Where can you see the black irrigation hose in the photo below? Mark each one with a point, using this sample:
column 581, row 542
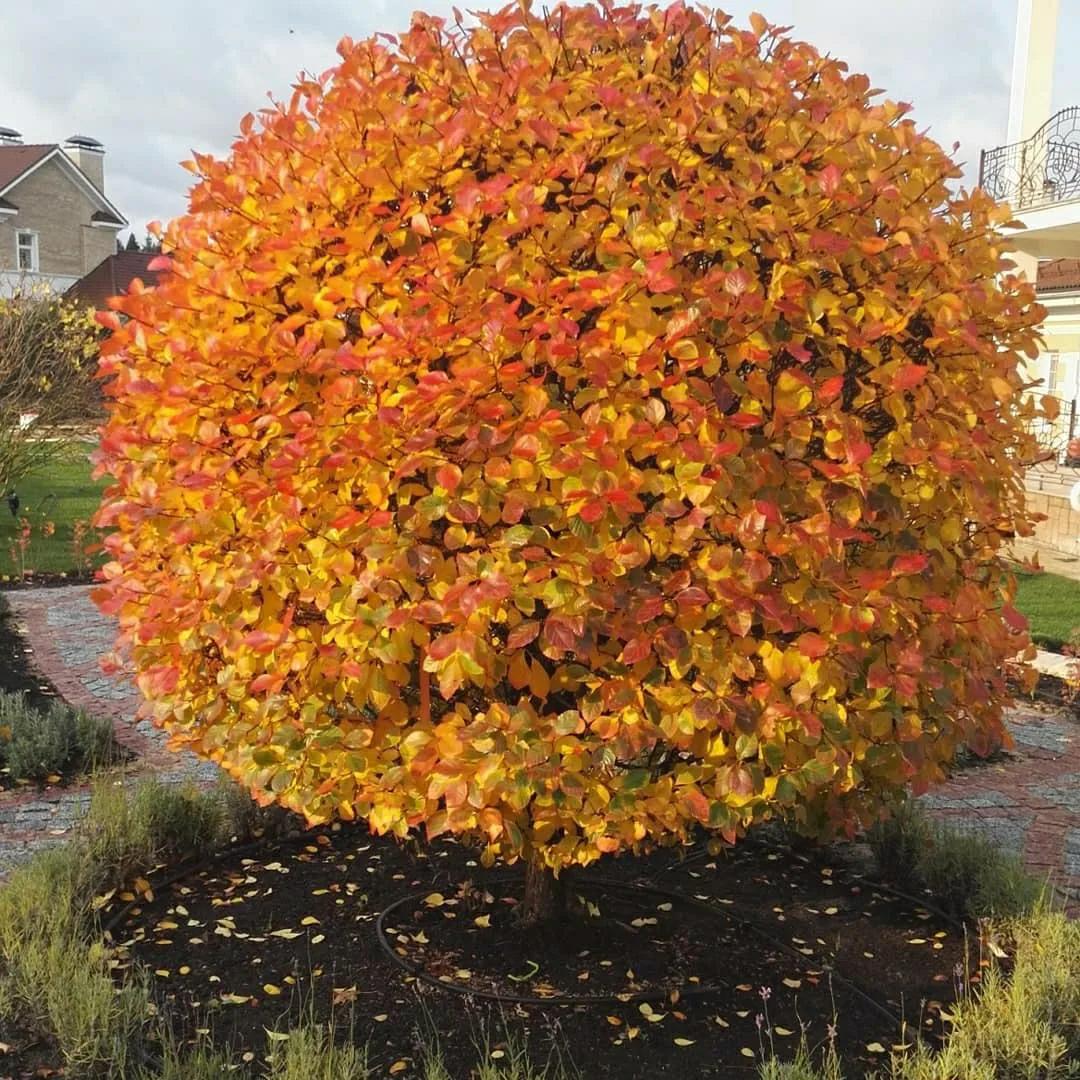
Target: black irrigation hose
column 419, row 972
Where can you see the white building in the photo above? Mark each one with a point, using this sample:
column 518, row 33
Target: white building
column 1038, row 174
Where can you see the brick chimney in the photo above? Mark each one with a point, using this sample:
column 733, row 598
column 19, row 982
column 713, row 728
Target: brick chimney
column 89, row 155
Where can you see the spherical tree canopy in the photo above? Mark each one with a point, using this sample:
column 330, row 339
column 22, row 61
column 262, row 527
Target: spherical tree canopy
column 570, row 430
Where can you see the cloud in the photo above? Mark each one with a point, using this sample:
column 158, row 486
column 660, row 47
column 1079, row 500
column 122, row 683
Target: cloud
column 155, row 81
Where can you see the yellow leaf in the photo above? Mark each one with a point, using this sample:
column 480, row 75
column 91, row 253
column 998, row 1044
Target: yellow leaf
column 271, row 989
column 683, row 1042
column 875, row 1048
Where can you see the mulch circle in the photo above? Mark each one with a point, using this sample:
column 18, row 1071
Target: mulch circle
column 241, row 947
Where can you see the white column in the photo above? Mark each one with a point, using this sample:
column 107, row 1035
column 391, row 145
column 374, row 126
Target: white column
column 1033, row 67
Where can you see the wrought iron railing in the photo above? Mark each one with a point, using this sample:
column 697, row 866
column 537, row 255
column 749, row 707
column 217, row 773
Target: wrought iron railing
column 1039, row 171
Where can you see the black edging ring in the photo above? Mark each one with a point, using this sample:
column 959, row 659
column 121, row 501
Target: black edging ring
column 419, row 972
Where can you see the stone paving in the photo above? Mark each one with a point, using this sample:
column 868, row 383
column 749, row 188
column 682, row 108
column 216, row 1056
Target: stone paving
column 1028, row 801
column 66, row 637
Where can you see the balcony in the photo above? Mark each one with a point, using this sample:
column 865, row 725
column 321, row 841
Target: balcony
column 1040, row 179
column 1039, row 172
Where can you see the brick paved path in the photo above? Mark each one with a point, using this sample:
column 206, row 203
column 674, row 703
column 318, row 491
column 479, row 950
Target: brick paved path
column 66, row 637
column 1028, row 802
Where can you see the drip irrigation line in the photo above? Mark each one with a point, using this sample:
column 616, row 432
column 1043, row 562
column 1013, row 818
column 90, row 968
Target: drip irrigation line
column 688, row 991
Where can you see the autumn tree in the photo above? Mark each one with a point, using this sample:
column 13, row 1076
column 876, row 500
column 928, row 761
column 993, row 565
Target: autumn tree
column 565, row 432
column 48, row 356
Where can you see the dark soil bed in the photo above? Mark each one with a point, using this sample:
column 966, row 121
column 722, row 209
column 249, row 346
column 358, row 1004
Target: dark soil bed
column 243, row 947
column 17, row 673
column 46, row 579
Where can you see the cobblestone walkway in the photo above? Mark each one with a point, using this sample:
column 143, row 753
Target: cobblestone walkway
column 1028, row 801
column 66, row 637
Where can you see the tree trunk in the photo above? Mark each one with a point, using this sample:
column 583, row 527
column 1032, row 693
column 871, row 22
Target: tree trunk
column 545, row 898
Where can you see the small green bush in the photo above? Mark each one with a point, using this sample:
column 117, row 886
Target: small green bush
column 967, row 875
column 246, row 820
column 38, row 743
column 898, row 842
column 54, row 974
column 1021, row 1026
column 185, row 1063
column 310, row 1053
column 802, row 1067
column 180, row 820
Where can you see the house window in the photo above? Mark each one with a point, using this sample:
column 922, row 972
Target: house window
column 26, row 244
column 1053, row 371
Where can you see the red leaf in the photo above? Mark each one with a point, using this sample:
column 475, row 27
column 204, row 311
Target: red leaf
column 745, row 420
column 830, row 178
column 561, row 632
column 909, row 376
column 443, row 646
column 830, row 388
column 813, row 646
column 697, row 804
column 692, row 597
column 1013, row 619
column 915, row 563
column 522, row 634
column 636, row 650
column 448, row 477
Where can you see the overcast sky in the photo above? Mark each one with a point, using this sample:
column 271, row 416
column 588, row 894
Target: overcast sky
column 154, row 81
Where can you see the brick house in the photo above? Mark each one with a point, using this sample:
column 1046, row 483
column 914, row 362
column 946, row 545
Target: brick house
column 111, row 277
column 56, row 223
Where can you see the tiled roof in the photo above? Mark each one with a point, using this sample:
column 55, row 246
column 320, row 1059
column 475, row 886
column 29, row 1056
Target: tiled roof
column 112, row 276
column 15, row 160
column 1058, row 275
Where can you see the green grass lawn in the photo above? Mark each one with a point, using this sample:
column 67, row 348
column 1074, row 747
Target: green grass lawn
column 1052, row 606
column 61, row 493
